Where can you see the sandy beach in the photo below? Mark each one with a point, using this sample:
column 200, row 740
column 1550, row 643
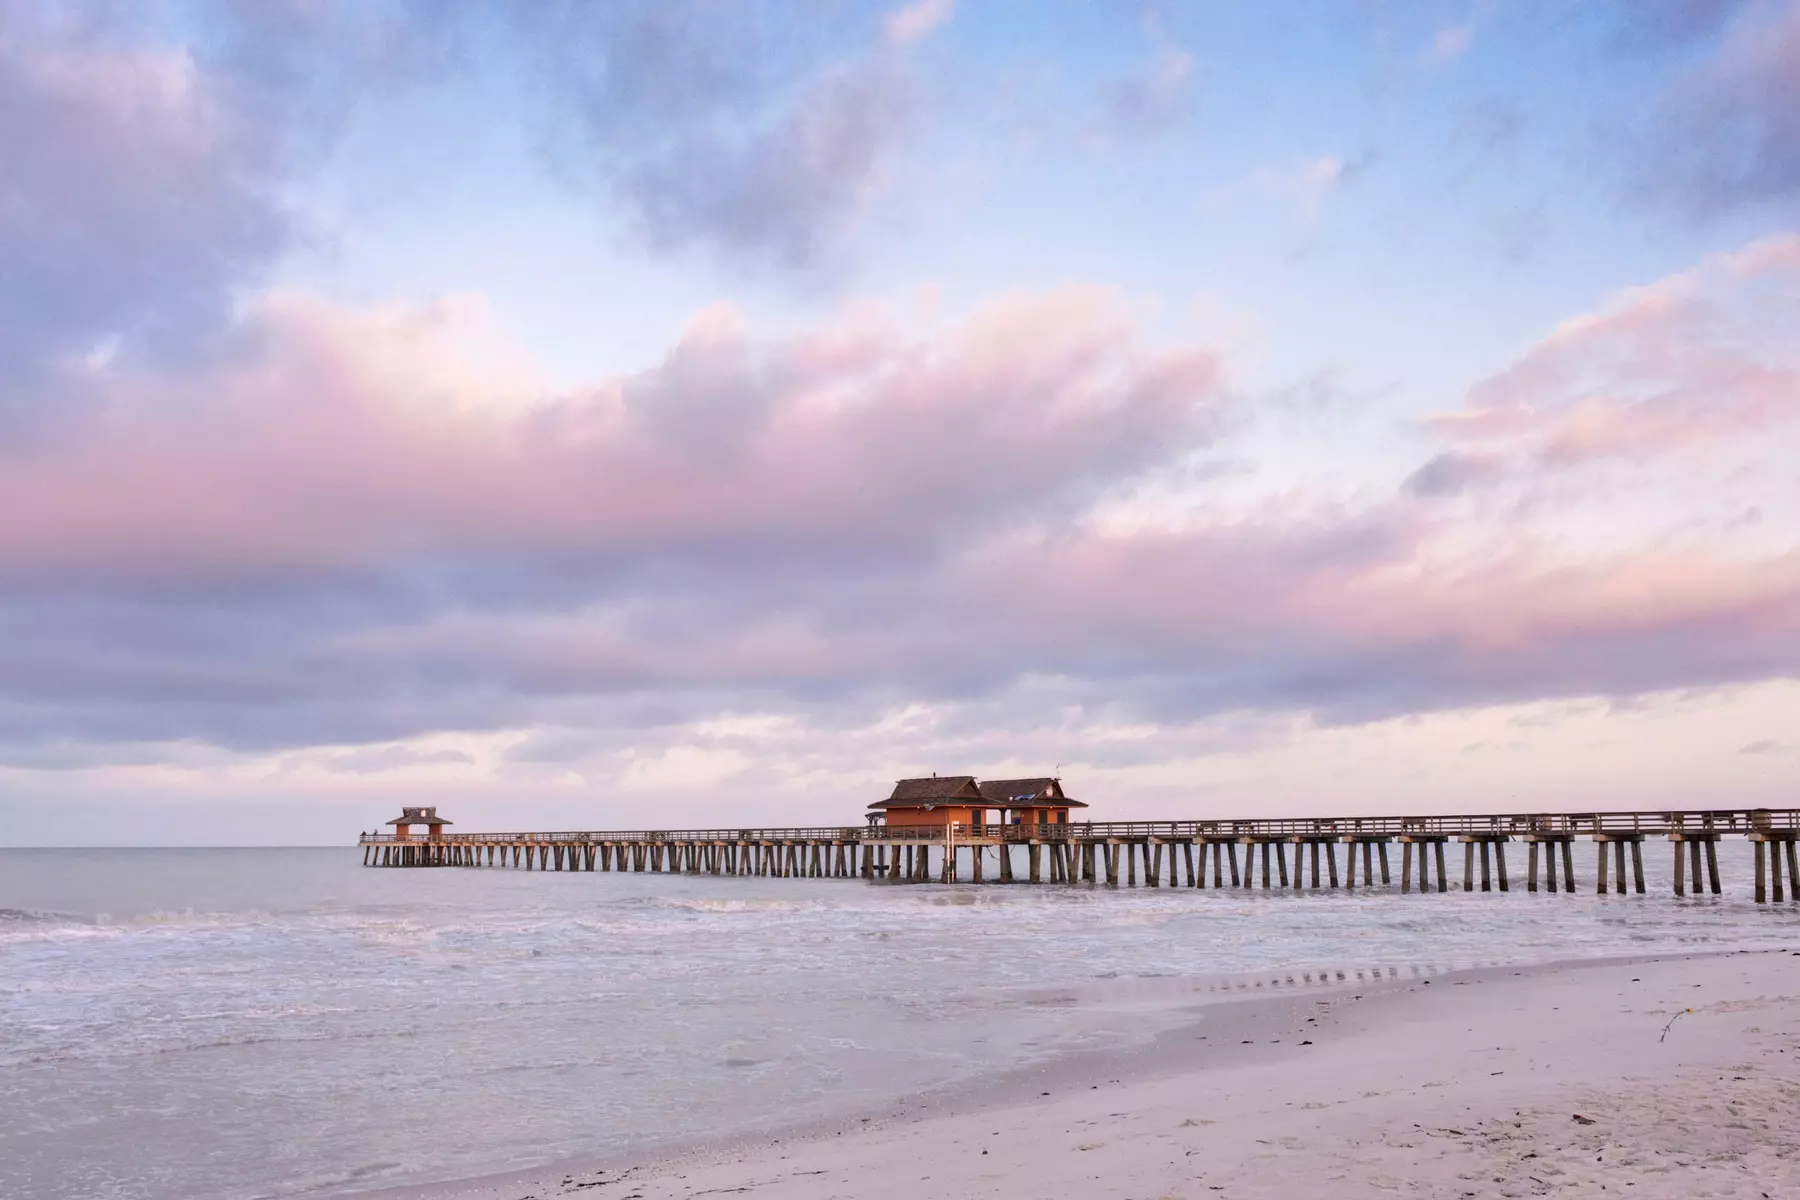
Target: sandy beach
column 1660, row 1078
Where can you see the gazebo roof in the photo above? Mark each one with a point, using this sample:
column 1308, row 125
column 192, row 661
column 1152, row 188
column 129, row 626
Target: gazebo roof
column 419, row 816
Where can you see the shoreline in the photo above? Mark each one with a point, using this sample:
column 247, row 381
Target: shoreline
column 1259, row 1044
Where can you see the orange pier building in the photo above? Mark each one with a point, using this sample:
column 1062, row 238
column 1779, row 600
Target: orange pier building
column 973, row 808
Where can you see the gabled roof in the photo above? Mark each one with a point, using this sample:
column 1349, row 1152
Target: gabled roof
column 938, row 789
column 948, row 791
column 1013, row 793
column 953, row 802
column 1004, row 791
column 419, row 816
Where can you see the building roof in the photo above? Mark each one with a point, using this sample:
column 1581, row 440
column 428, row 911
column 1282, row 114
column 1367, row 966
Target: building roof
column 932, row 792
column 1023, row 792
column 948, row 791
column 419, row 816
column 945, row 802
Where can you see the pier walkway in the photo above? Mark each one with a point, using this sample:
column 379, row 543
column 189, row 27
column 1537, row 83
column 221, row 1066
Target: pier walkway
column 1162, row 853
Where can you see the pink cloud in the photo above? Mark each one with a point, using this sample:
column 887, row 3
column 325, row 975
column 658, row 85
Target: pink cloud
column 1698, row 358
column 337, row 438
column 1355, row 614
column 911, row 22
column 392, row 527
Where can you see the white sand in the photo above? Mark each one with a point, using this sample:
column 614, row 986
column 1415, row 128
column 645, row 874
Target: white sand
column 1465, row 1087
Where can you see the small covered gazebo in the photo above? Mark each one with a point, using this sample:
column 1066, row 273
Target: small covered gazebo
column 420, row 816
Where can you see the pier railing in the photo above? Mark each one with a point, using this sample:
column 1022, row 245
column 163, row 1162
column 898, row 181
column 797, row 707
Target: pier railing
column 1646, row 823
column 811, row 833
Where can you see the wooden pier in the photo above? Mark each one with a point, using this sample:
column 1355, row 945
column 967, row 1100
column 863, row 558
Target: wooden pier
column 1159, row 853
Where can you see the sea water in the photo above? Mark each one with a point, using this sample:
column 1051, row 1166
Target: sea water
column 201, row 1024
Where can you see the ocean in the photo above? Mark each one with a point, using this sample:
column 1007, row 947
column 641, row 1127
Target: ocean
column 216, row 1024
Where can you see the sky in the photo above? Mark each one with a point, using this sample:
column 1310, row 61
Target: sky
column 599, row 416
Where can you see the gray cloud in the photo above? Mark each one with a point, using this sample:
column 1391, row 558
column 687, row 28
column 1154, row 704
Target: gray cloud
column 374, row 760
column 1727, row 134
column 787, row 190
column 1657, row 24
column 718, row 133
column 133, row 197
column 999, row 637
column 142, row 176
column 1451, row 472
column 1157, row 94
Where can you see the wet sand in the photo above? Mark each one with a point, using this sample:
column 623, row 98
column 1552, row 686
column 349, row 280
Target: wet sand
column 1651, row 1078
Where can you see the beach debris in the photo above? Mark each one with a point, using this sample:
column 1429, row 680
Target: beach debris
column 1665, row 1033
column 1581, row 1120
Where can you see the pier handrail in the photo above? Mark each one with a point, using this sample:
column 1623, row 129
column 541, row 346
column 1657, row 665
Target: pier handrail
column 1644, row 822
column 848, row 833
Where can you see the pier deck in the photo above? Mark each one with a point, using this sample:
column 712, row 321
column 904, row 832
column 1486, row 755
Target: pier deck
column 1169, row 853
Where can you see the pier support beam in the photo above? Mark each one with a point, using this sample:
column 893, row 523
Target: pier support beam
column 1550, row 842
column 1617, row 843
column 1425, row 844
column 1776, row 854
column 1492, row 849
